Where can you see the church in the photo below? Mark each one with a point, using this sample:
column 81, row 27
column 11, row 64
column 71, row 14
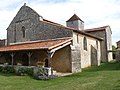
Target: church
column 33, row 40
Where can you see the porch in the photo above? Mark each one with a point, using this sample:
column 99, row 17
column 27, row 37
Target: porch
column 48, row 54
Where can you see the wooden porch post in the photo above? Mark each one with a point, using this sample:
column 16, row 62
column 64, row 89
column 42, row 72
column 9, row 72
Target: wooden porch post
column 29, row 56
column 12, row 55
column 49, row 56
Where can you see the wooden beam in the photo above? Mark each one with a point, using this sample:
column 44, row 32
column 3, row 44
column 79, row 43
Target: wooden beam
column 49, row 56
column 59, row 44
column 12, row 55
column 29, row 56
column 55, row 49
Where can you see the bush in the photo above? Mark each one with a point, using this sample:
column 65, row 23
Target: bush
column 21, row 72
column 0, row 68
column 8, row 69
column 24, row 71
column 29, row 71
column 42, row 74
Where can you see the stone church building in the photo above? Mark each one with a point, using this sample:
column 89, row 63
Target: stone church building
column 33, row 40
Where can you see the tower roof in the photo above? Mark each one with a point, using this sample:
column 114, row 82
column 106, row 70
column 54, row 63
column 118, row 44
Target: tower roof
column 74, row 17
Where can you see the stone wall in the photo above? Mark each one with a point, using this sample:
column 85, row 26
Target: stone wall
column 106, row 44
column 23, row 18
column 75, row 58
column 87, row 56
column 3, row 42
column 109, row 44
column 102, row 34
column 35, row 28
column 61, row 61
column 77, row 24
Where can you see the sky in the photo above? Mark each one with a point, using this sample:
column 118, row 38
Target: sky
column 94, row 13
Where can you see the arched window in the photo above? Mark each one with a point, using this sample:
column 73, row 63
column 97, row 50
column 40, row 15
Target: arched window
column 23, row 31
column 85, row 43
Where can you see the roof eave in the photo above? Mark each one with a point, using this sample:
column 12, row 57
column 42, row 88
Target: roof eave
column 101, row 39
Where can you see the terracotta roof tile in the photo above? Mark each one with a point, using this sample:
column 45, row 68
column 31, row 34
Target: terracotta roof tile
column 47, row 44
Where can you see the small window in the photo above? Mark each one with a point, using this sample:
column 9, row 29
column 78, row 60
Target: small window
column 85, row 43
column 23, row 31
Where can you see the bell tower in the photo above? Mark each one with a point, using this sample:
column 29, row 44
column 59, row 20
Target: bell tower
column 75, row 22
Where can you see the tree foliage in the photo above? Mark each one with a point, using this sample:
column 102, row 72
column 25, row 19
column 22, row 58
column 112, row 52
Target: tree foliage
column 113, row 47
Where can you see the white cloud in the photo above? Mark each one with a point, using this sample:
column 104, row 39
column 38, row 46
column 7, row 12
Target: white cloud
column 95, row 13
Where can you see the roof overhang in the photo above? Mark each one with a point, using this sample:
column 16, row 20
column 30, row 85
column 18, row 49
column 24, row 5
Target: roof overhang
column 89, row 35
column 40, row 45
column 103, row 28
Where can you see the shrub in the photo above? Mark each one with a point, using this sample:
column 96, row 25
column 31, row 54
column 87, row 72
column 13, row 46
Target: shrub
column 24, row 71
column 29, row 71
column 8, row 69
column 42, row 74
column 21, row 72
column 0, row 68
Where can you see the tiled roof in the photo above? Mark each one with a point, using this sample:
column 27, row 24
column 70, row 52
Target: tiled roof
column 118, row 41
column 47, row 44
column 96, row 29
column 73, row 29
column 74, row 17
column 52, row 22
column 87, row 34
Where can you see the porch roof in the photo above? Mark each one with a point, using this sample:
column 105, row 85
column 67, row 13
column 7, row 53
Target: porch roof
column 46, row 44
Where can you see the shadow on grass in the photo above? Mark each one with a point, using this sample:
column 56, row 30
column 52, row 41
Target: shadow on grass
column 110, row 66
column 7, row 74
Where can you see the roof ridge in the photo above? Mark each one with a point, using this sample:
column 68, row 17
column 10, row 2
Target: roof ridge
column 102, row 27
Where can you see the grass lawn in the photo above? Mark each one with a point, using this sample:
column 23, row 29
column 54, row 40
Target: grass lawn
column 104, row 77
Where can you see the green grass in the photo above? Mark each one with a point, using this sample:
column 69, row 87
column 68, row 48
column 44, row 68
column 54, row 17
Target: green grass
column 104, row 77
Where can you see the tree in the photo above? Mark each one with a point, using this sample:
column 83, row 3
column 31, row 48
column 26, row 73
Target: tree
column 113, row 47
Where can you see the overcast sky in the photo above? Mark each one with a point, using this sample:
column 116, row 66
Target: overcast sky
column 95, row 13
